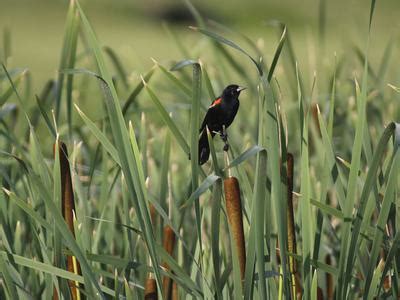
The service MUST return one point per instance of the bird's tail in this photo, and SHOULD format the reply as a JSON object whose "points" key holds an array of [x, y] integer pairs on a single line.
{"points": [[204, 148]]}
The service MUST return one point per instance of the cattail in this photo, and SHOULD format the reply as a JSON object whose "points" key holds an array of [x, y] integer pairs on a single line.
{"points": [[175, 291], [150, 289], [291, 227], [387, 282], [150, 286], [320, 294], [235, 218], [329, 279], [68, 211], [168, 244]]}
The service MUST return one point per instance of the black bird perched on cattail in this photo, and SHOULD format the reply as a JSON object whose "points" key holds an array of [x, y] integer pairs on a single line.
{"points": [[219, 116]]}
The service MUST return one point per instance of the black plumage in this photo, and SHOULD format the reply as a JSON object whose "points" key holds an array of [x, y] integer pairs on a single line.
{"points": [[220, 113]]}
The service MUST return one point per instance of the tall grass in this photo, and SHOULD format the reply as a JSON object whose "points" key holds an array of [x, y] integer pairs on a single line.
{"points": [[315, 168]]}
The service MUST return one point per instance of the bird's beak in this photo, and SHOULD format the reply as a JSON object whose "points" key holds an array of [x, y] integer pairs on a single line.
{"points": [[240, 88]]}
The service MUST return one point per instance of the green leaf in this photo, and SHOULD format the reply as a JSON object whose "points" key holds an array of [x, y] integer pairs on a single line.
{"points": [[244, 156], [136, 91], [100, 136], [117, 64], [388, 199], [168, 120], [329, 210], [393, 252], [368, 184], [225, 41], [46, 117], [203, 187], [46, 268], [29, 210], [277, 54], [131, 168]]}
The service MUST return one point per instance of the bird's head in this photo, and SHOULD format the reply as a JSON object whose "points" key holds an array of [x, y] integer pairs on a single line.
{"points": [[232, 91]]}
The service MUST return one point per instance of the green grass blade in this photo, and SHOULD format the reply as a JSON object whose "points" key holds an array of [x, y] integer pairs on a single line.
{"points": [[8, 284], [332, 103], [203, 187], [225, 41], [72, 44], [168, 121], [46, 268], [306, 214], [208, 84], [136, 91], [388, 199], [66, 233], [46, 117], [389, 259], [277, 54], [217, 170], [327, 209], [70, 34], [100, 136], [178, 83], [244, 156], [125, 152], [117, 64], [181, 274], [164, 171], [370, 179], [258, 207], [26, 207], [7, 94]]}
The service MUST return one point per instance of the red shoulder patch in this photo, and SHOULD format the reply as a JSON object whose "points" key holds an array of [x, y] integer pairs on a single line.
{"points": [[216, 102]]}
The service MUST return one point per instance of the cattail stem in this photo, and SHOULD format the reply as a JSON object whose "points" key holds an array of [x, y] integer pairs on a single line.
{"points": [[68, 211], [235, 218]]}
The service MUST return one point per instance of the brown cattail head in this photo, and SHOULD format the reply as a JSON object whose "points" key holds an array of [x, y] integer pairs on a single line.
{"points": [[297, 282], [168, 244], [153, 214], [67, 193], [291, 232], [235, 218], [329, 279], [150, 289], [290, 213], [387, 282], [68, 209], [320, 294], [175, 291]]}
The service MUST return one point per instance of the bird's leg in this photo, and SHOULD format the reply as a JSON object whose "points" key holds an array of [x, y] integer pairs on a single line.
{"points": [[224, 137]]}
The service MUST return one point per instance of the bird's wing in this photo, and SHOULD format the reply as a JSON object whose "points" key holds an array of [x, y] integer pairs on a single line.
{"points": [[210, 111]]}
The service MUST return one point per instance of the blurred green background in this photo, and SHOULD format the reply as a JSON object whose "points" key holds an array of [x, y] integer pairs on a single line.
{"points": [[135, 30]]}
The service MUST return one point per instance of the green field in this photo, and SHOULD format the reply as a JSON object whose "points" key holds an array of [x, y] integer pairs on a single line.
{"points": [[125, 86]]}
